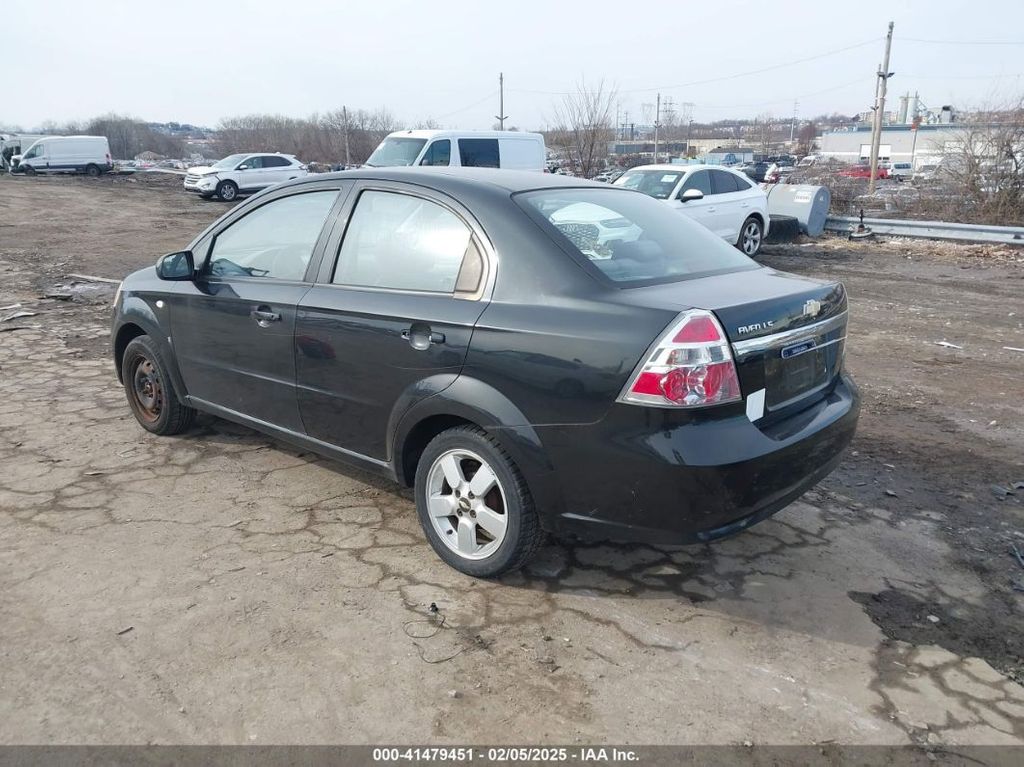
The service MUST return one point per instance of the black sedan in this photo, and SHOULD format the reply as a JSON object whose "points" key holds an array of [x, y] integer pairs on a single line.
{"points": [[532, 353]]}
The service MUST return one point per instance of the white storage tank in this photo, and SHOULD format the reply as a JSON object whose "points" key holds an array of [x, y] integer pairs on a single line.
{"points": [[807, 204]]}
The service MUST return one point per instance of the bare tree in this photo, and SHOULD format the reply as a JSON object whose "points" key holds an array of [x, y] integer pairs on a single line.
{"points": [[584, 128], [983, 165]]}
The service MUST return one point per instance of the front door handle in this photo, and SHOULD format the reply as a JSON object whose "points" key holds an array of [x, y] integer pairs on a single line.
{"points": [[264, 316]]}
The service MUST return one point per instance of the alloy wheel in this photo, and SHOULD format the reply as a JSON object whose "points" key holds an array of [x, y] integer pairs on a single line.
{"points": [[466, 504], [751, 238]]}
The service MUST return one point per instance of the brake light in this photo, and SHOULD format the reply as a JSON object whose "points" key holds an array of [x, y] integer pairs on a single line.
{"points": [[691, 365]]}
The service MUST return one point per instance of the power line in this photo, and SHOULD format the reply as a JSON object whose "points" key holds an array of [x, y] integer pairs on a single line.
{"points": [[723, 78], [960, 42], [965, 77], [464, 109]]}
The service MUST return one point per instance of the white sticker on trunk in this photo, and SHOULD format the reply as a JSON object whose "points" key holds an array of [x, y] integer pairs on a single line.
{"points": [[755, 405]]}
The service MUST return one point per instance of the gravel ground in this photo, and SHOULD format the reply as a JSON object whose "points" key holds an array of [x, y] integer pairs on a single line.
{"points": [[223, 588]]}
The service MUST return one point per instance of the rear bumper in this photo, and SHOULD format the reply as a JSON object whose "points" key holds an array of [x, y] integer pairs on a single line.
{"points": [[696, 480]]}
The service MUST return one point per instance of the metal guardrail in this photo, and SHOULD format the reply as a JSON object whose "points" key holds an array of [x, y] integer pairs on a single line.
{"points": [[932, 230]]}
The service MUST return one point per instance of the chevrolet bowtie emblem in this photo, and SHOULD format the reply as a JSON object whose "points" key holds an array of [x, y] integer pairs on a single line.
{"points": [[811, 308]]}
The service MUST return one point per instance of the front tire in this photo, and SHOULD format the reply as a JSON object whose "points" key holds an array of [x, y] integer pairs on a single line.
{"points": [[150, 391], [751, 236], [474, 505], [28, 170], [227, 190], [92, 171]]}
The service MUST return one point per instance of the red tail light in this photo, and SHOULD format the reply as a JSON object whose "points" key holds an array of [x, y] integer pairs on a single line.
{"points": [[689, 366]]}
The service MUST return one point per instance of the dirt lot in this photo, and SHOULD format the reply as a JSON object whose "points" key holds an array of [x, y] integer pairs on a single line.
{"points": [[223, 588]]}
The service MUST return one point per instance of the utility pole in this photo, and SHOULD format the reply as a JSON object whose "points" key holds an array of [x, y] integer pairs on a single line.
{"points": [[500, 117], [792, 125], [876, 134], [657, 120], [348, 155]]}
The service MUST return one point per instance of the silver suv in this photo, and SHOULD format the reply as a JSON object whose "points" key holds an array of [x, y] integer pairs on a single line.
{"points": [[242, 173]]}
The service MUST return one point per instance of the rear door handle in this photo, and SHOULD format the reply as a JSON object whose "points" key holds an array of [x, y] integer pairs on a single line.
{"points": [[421, 338], [264, 315]]}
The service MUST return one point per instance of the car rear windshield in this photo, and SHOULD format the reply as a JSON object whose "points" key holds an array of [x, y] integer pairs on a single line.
{"points": [[630, 238], [396, 151]]}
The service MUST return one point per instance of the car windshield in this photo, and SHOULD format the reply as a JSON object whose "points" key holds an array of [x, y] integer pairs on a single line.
{"points": [[630, 238], [656, 183], [396, 151], [229, 162]]}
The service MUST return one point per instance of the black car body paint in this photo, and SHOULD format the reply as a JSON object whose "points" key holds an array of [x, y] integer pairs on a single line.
{"points": [[538, 359]]}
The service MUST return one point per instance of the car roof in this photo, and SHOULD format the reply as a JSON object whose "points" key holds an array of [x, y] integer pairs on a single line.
{"points": [[454, 180], [667, 168], [434, 133]]}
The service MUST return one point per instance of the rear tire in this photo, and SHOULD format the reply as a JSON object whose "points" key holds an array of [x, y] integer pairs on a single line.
{"points": [[150, 390], [474, 505], [92, 171], [227, 191], [751, 236]]}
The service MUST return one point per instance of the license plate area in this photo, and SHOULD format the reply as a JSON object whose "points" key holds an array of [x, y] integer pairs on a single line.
{"points": [[793, 366], [790, 376]]}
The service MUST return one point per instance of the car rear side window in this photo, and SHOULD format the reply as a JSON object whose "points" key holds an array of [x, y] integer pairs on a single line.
{"points": [[438, 153], [402, 242], [479, 152], [628, 238], [275, 162], [722, 182], [274, 241], [742, 184]]}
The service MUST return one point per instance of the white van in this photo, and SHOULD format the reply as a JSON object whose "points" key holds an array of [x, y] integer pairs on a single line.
{"points": [[65, 154], [481, 149]]}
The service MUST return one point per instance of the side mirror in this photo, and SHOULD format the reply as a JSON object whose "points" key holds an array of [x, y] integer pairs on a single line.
{"points": [[242, 167], [179, 266], [691, 194]]}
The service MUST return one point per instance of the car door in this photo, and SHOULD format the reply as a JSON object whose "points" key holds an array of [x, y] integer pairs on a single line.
{"points": [[731, 204], [233, 327], [390, 317], [276, 169], [251, 175], [702, 211]]}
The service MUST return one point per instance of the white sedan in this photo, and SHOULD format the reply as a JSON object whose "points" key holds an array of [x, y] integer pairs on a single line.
{"points": [[725, 201]]}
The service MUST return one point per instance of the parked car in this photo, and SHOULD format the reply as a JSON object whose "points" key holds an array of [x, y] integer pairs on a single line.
{"points": [[608, 176], [926, 172], [901, 171], [659, 387], [723, 200], [242, 173], [755, 171], [65, 154], [511, 150], [863, 171], [777, 173]]}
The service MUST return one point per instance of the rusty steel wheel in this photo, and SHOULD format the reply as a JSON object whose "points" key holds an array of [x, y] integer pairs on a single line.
{"points": [[150, 390], [147, 392]]}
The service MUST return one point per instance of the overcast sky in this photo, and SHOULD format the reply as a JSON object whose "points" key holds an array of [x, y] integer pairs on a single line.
{"points": [[197, 61]]}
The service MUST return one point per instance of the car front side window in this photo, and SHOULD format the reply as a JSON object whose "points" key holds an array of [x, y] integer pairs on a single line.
{"points": [[253, 163], [438, 153], [401, 242], [700, 180], [275, 241]]}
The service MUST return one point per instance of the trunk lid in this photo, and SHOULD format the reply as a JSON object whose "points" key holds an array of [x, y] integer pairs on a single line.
{"points": [[787, 332]]}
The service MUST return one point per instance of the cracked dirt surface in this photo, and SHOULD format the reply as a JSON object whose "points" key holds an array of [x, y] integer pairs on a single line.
{"points": [[220, 587]]}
